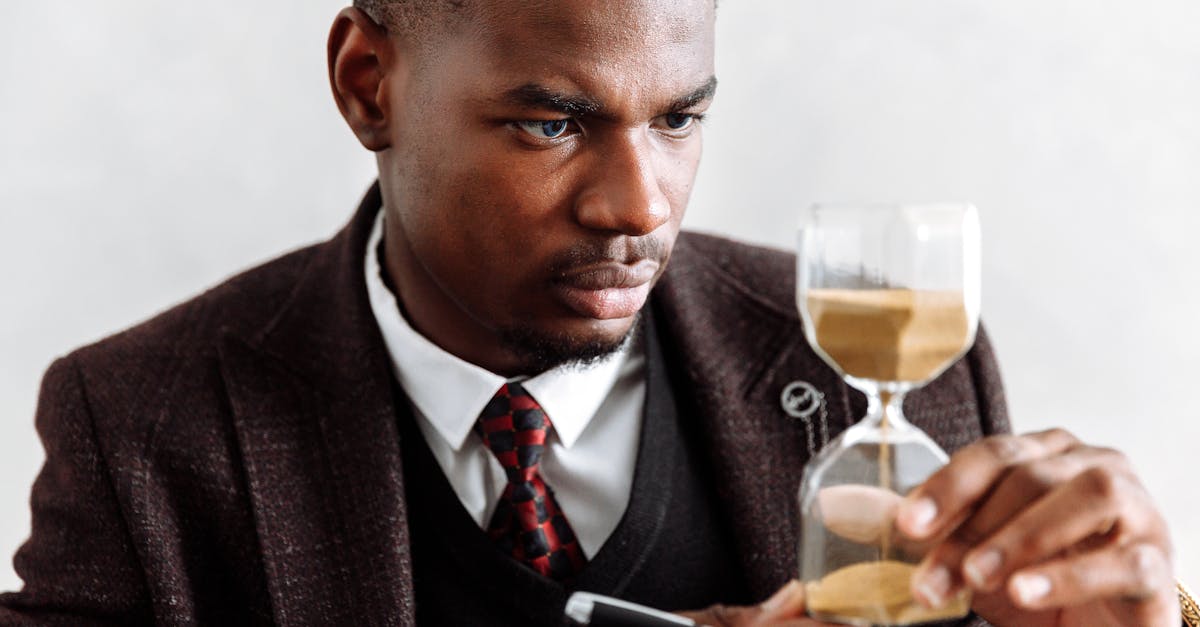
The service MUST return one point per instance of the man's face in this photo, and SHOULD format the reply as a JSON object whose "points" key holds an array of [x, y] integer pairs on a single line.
{"points": [[541, 160]]}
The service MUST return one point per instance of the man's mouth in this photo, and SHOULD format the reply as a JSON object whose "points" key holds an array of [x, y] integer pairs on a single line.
{"points": [[608, 290]]}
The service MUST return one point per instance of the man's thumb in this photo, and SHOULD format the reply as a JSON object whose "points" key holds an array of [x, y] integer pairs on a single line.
{"points": [[787, 602]]}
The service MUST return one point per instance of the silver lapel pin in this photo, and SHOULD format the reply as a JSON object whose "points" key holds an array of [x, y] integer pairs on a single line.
{"points": [[802, 400]]}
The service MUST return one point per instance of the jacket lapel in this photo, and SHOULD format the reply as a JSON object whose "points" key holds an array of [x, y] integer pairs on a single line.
{"points": [[315, 418], [736, 351]]}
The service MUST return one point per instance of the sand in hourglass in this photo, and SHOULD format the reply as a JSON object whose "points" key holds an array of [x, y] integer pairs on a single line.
{"points": [[887, 335], [878, 593]]}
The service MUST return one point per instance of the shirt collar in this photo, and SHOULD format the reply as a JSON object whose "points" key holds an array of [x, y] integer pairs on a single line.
{"points": [[451, 392]]}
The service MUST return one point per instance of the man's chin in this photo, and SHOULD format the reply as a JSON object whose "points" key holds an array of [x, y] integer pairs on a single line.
{"points": [[543, 349]]}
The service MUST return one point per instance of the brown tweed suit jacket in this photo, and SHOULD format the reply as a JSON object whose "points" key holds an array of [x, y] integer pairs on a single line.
{"points": [[235, 460]]}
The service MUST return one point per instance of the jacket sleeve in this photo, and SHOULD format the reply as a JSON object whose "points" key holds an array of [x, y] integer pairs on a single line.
{"points": [[79, 565], [993, 410]]}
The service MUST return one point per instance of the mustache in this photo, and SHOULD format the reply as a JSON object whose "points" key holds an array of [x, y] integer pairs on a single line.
{"points": [[625, 250]]}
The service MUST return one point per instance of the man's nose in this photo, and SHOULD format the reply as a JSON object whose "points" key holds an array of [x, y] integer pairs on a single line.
{"points": [[625, 193]]}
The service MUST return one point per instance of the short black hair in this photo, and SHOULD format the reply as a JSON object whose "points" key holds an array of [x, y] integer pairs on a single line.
{"points": [[408, 16], [414, 16]]}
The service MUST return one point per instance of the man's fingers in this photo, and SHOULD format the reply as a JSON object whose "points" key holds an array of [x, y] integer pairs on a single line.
{"points": [[722, 616], [1035, 467], [969, 476], [1094, 503], [1136, 572], [1028, 482], [785, 608], [1022, 486], [788, 601], [1048, 524], [859, 513]]}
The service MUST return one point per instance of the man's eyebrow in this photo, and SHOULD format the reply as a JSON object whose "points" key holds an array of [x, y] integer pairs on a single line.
{"points": [[535, 96], [700, 94]]}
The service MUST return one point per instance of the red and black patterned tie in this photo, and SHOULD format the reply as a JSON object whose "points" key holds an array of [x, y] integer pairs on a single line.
{"points": [[528, 524]]}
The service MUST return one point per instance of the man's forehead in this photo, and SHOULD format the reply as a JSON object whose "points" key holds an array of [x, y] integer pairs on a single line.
{"points": [[676, 19], [591, 26], [600, 53]]}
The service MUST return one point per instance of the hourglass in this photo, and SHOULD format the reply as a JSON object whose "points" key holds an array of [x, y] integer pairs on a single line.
{"points": [[889, 296]]}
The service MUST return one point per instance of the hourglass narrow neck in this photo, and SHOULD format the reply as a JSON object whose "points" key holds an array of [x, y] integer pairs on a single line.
{"points": [[885, 409]]}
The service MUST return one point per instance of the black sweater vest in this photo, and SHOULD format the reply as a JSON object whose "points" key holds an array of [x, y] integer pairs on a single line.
{"points": [[671, 550]]}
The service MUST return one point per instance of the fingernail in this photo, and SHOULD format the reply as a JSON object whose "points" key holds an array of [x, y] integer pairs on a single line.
{"points": [[922, 513], [980, 568], [781, 597], [1031, 588], [934, 585]]}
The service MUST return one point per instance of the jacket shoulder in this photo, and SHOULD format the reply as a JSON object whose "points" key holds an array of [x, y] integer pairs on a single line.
{"points": [[242, 303], [131, 376], [763, 274]]}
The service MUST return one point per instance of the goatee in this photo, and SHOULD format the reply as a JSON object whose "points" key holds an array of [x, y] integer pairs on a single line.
{"points": [[540, 351]]}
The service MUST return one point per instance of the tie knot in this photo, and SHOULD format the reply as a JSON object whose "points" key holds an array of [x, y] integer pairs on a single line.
{"points": [[513, 426]]}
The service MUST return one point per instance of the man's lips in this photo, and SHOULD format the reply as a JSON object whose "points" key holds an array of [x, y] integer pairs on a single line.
{"points": [[607, 291]]}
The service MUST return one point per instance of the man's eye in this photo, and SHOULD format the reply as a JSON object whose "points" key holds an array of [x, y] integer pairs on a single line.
{"points": [[679, 121], [545, 129]]}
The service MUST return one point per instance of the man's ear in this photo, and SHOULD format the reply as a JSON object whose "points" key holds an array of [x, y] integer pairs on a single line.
{"points": [[360, 57]]}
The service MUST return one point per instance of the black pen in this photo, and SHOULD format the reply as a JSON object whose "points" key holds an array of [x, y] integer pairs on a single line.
{"points": [[597, 610]]}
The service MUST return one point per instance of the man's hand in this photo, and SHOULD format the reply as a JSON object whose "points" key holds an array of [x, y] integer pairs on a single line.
{"points": [[1048, 531], [785, 608]]}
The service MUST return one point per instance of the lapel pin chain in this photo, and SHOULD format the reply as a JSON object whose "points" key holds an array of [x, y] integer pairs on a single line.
{"points": [[802, 400]]}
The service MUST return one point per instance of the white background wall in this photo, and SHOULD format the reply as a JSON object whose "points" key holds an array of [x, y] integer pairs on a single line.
{"points": [[149, 149]]}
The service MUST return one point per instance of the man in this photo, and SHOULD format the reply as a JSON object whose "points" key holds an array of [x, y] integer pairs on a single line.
{"points": [[488, 390]]}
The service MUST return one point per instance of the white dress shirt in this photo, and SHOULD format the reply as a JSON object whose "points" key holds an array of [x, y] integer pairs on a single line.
{"points": [[596, 412]]}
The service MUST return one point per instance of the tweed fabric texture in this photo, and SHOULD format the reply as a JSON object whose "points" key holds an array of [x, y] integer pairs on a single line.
{"points": [[235, 460]]}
